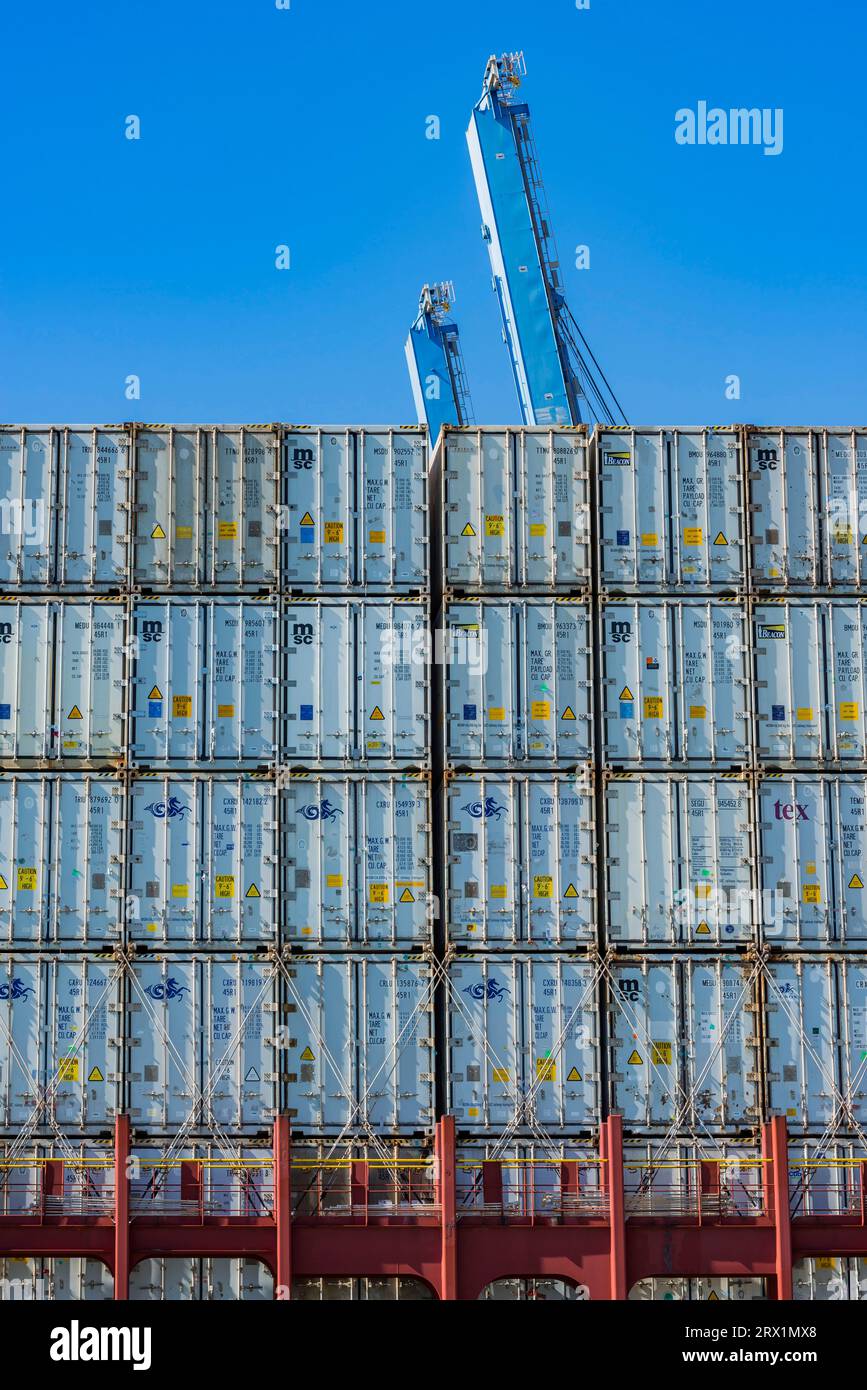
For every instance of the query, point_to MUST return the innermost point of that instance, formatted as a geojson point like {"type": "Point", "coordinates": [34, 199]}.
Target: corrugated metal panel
{"type": "Point", "coordinates": [844, 480]}
{"type": "Point", "coordinates": [679, 853]}
{"type": "Point", "coordinates": [54, 1280]}
{"type": "Point", "coordinates": [520, 860]}
{"type": "Point", "coordinates": [28, 514]}
{"type": "Point", "coordinates": [202, 1024]}
{"type": "Point", "coordinates": [729, 1289]}
{"type": "Point", "coordinates": [357, 686]}
{"type": "Point", "coordinates": [205, 509]}
{"type": "Point", "coordinates": [675, 682]}
{"type": "Point", "coordinates": [683, 1049]}
{"type": "Point", "coordinates": [204, 860]}
{"type": "Point", "coordinates": [810, 681]}
{"type": "Point", "coordinates": [45, 1003]}
{"type": "Point", "coordinates": [61, 859]}
{"type": "Point", "coordinates": [356, 509]}
{"type": "Point", "coordinates": [783, 469]}
{"type": "Point", "coordinates": [221, 1280]}
{"type": "Point", "coordinates": [816, 1020]}
{"type": "Point", "coordinates": [515, 509]}
{"type": "Point", "coordinates": [523, 1042]}
{"type": "Point", "coordinates": [93, 531]}
{"type": "Point", "coordinates": [358, 860]}
{"type": "Point", "coordinates": [205, 683]}
{"type": "Point", "coordinates": [361, 1051]}
{"type": "Point", "coordinates": [671, 511]}
{"type": "Point", "coordinates": [518, 681]}
{"type": "Point", "coordinates": [813, 859]}
{"type": "Point", "coordinates": [62, 681]}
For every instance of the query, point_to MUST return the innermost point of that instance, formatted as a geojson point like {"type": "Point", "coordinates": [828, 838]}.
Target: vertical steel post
{"type": "Point", "coordinates": [121, 1207]}
{"type": "Point", "coordinates": [283, 1206]}
{"type": "Point", "coordinates": [779, 1143]}
{"type": "Point", "coordinates": [447, 1193]}
{"type": "Point", "coordinates": [616, 1207]}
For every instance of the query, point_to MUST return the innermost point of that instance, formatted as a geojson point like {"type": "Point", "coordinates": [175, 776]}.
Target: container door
{"type": "Point", "coordinates": [167, 684]}
{"type": "Point", "coordinates": [562, 1068]}
{"type": "Point", "coordinates": [707, 540]}
{"type": "Point", "coordinates": [321, 1056]}
{"type": "Point", "coordinates": [164, 1022]}
{"type": "Point", "coordinates": [645, 1062]}
{"type": "Point", "coordinates": [485, 892]}
{"type": "Point", "coordinates": [633, 520]}
{"type": "Point", "coordinates": [479, 521]}
{"type": "Point", "coordinates": [393, 856]}
{"type": "Point", "coordinates": [94, 509]}
{"type": "Point", "coordinates": [169, 543]}
{"type": "Point", "coordinates": [239, 1072]}
{"type": "Point", "coordinates": [713, 683]}
{"type": "Point", "coordinates": [25, 858]}
{"type": "Point", "coordinates": [789, 683]}
{"type": "Point", "coordinates": [845, 638]}
{"type": "Point", "coordinates": [90, 680]}
{"type": "Point", "coordinates": [392, 547]}
{"type": "Point", "coordinates": [848, 801]}
{"type": "Point", "coordinates": [320, 682]}
{"type": "Point", "coordinates": [392, 690]}
{"type": "Point", "coordinates": [802, 1057]}
{"type": "Point", "coordinates": [720, 1073]}
{"type": "Point", "coordinates": [558, 847]}
{"type": "Point", "coordinates": [845, 524]}
{"type": "Point", "coordinates": [471, 733]}
{"type": "Point", "coordinates": [82, 1044]}
{"type": "Point", "coordinates": [485, 1041]}
{"type": "Point", "coordinates": [241, 515]}
{"type": "Point", "coordinates": [319, 816]}
{"type": "Point", "coordinates": [394, 1020]}
{"type": "Point", "coordinates": [28, 463]}
{"type": "Point", "coordinates": [26, 642]}
{"type": "Point", "coordinates": [716, 897]}
{"type": "Point", "coordinates": [23, 982]}
{"type": "Point", "coordinates": [239, 877]}
{"type": "Point", "coordinates": [637, 686]}
{"type": "Point", "coordinates": [318, 540]}
{"type": "Point", "coordinates": [783, 469]}
{"type": "Point", "coordinates": [796, 858]}
{"type": "Point", "coordinates": [643, 882]}
{"type": "Point", "coordinates": [164, 860]}
{"type": "Point", "coordinates": [852, 1004]}
{"type": "Point", "coordinates": [242, 682]}
{"type": "Point", "coordinates": [87, 857]}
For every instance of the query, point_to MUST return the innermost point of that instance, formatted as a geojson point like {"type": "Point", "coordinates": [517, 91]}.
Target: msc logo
{"type": "Point", "coordinates": [790, 811]}
{"type": "Point", "coordinates": [302, 458]}
{"type": "Point", "coordinates": [5, 632]}
{"type": "Point", "coordinates": [17, 990]}
{"type": "Point", "coordinates": [302, 634]}
{"type": "Point", "coordinates": [170, 990]}
{"type": "Point", "coordinates": [480, 810]}
{"type": "Point", "coordinates": [630, 989]}
{"type": "Point", "coordinates": [168, 810]}
{"type": "Point", "coordinates": [486, 989]}
{"type": "Point", "coordinates": [151, 631]}
{"type": "Point", "coordinates": [324, 811]}
{"type": "Point", "coordinates": [766, 459]}
{"type": "Point", "coordinates": [621, 632]}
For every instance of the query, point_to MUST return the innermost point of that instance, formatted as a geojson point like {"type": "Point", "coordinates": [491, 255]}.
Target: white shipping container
{"type": "Point", "coordinates": [60, 1016]}
{"type": "Point", "coordinates": [518, 681]}
{"type": "Point", "coordinates": [205, 681]}
{"type": "Point", "coordinates": [62, 679]}
{"type": "Point", "coordinates": [61, 859]}
{"type": "Point", "coordinates": [356, 683]}
{"type": "Point", "coordinates": [679, 854]}
{"type": "Point", "coordinates": [520, 859]}
{"type": "Point", "coordinates": [844, 485]}
{"type": "Point", "coordinates": [816, 1028]}
{"type": "Point", "coordinates": [204, 860]}
{"type": "Point", "coordinates": [783, 471]}
{"type": "Point", "coordinates": [810, 681]}
{"type": "Point", "coordinates": [683, 1049]}
{"type": "Point", "coordinates": [220, 1279]}
{"type": "Point", "coordinates": [358, 859]}
{"type": "Point", "coordinates": [671, 513]}
{"type": "Point", "coordinates": [205, 507]}
{"type": "Point", "coordinates": [523, 1042]}
{"type": "Point", "coordinates": [512, 508]}
{"type": "Point", "coordinates": [361, 1052]}
{"type": "Point", "coordinates": [201, 1039]}
{"type": "Point", "coordinates": [356, 509]}
{"type": "Point", "coordinates": [812, 833]}
{"type": "Point", "coordinates": [726, 1289]}
{"type": "Point", "coordinates": [675, 682]}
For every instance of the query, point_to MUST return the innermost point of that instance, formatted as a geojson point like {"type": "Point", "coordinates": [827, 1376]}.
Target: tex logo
{"type": "Point", "coordinates": [482, 810]}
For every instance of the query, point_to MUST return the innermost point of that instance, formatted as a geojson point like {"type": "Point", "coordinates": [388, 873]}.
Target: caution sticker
{"type": "Point", "coordinates": [571, 891]}
{"type": "Point", "coordinates": [227, 530]}
{"type": "Point", "coordinates": [25, 880]}
{"type": "Point", "coordinates": [377, 892]}
{"type": "Point", "coordinates": [538, 528]}
{"type": "Point", "coordinates": [253, 892]}
{"type": "Point", "coordinates": [180, 890]}
{"type": "Point", "coordinates": [649, 538]}
{"type": "Point", "coordinates": [468, 530]}
{"type": "Point", "coordinates": [224, 886]}
{"type": "Point", "coordinates": [854, 882]}
{"type": "Point", "coordinates": [693, 535]}
{"type": "Point", "coordinates": [494, 526]}
{"type": "Point", "coordinates": [407, 896]}
{"type": "Point", "coordinates": [184, 533]}
{"type": "Point", "coordinates": [182, 706]}
{"type": "Point", "coordinates": [653, 706]}
{"type": "Point", "coordinates": [811, 893]}
{"type": "Point", "coordinates": [225, 711]}
{"type": "Point", "coordinates": [307, 520]}
{"type": "Point", "coordinates": [702, 929]}
{"type": "Point", "coordinates": [3, 883]}
{"type": "Point", "coordinates": [720, 539]}
{"type": "Point", "coordinates": [661, 1054]}
{"type": "Point", "coordinates": [334, 880]}
{"type": "Point", "coordinates": [540, 709]}
{"type": "Point", "coordinates": [546, 1069]}
{"type": "Point", "coordinates": [333, 532]}
{"type": "Point", "coordinates": [308, 1055]}
{"type": "Point", "coordinates": [635, 1058]}
{"type": "Point", "coordinates": [626, 694]}
{"type": "Point", "coordinates": [499, 890]}
{"type": "Point", "coordinates": [155, 693]}
{"type": "Point", "coordinates": [574, 1075]}
{"type": "Point", "coordinates": [75, 713]}
{"type": "Point", "coordinates": [252, 1075]}
{"type": "Point", "coordinates": [698, 712]}
{"type": "Point", "coordinates": [848, 711]}
{"type": "Point", "coordinates": [158, 534]}
{"type": "Point", "coordinates": [543, 886]}
{"type": "Point", "coordinates": [68, 1069]}
{"type": "Point", "coordinates": [376, 537]}
{"type": "Point", "coordinates": [501, 1074]}
{"type": "Point", "coordinates": [377, 713]}
{"type": "Point", "coordinates": [497, 714]}
{"type": "Point", "coordinates": [804, 714]}
{"type": "Point", "coordinates": [95, 1074]}
{"type": "Point", "coordinates": [568, 713]}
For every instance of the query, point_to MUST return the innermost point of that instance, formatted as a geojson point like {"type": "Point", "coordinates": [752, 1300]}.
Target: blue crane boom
{"type": "Point", "coordinates": [557, 378]}
{"type": "Point", "coordinates": [435, 362]}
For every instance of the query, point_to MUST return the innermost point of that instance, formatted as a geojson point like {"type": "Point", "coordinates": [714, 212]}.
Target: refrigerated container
{"type": "Point", "coordinates": [205, 508]}
{"type": "Point", "coordinates": [37, 1280]}
{"type": "Point", "coordinates": [523, 1043]}
{"type": "Point", "coordinates": [355, 510]}
{"type": "Point", "coordinates": [812, 857]}
{"type": "Point", "coordinates": [683, 1047]}
{"type": "Point", "coordinates": [674, 682]}
{"type": "Point", "coordinates": [62, 681]}
{"type": "Point", "coordinates": [679, 854]}
{"type": "Point", "coordinates": [729, 1288]}
{"type": "Point", "coordinates": [358, 859]}
{"type": "Point", "coordinates": [61, 859]}
{"type": "Point", "coordinates": [360, 1054]}
{"type": "Point", "coordinates": [671, 510]}
{"type": "Point", "coordinates": [810, 681]}
{"type": "Point", "coordinates": [844, 512]}
{"type": "Point", "coordinates": [783, 469]}
{"type": "Point", "coordinates": [204, 860]}
{"type": "Point", "coordinates": [511, 509]}
{"type": "Point", "coordinates": [205, 683]}
{"type": "Point", "coordinates": [517, 681]}
{"type": "Point", "coordinates": [520, 859]}
{"type": "Point", "coordinates": [218, 1279]}
{"type": "Point", "coordinates": [356, 685]}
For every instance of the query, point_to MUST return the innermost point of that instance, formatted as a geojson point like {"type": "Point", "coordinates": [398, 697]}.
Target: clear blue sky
{"type": "Point", "coordinates": [307, 127]}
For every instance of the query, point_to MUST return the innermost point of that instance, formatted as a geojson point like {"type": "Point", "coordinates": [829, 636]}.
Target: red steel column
{"type": "Point", "coordinates": [616, 1207]}
{"type": "Point", "coordinates": [283, 1206]}
{"type": "Point", "coordinates": [447, 1188]}
{"type": "Point", "coordinates": [121, 1206]}
{"type": "Point", "coordinates": [779, 1145]}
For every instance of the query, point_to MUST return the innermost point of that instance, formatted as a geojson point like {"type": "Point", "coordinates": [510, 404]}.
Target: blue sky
{"type": "Point", "coordinates": [306, 127]}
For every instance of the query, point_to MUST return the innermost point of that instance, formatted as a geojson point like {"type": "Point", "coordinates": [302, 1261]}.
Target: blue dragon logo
{"type": "Point", "coordinates": [480, 810]}
{"type": "Point", "coordinates": [486, 989]}
{"type": "Point", "coordinates": [168, 810]}
{"type": "Point", "coordinates": [17, 990]}
{"type": "Point", "coordinates": [324, 811]}
{"type": "Point", "coordinates": [170, 990]}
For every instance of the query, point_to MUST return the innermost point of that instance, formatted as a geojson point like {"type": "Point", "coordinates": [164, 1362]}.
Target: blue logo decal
{"type": "Point", "coordinates": [470, 712]}
{"type": "Point", "coordinates": [778, 713]}
{"type": "Point", "coordinates": [486, 990]}
{"type": "Point", "coordinates": [17, 990]}
{"type": "Point", "coordinates": [324, 811]}
{"type": "Point", "coordinates": [168, 810]}
{"type": "Point", "coordinates": [170, 990]}
{"type": "Point", "coordinates": [622, 537]}
{"type": "Point", "coordinates": [480, 810]}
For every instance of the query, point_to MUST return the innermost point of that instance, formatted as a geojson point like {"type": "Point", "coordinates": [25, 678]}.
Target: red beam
{"type": "Point", "coordinates": [121, 1207]}
{"type": "Point", "coordinates": [447, 1195]}
{"type": "Point", "coordinates": [781, 1213]}
{"type": "Point", "coordinates": [618, 1283]}
{"type": "Point", "coordinates": [283, 1207]}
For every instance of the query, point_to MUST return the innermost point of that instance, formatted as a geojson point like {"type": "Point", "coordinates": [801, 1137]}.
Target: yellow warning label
{"type": "Point", "coordinates": [3, 883]}
{"type": "Point", "coordinates": [854, 882]}
{"type": "Point", "coordinates": [546, 1069]}
{"type": "Point", "coordinates": [499, 890]}
{"type": "Point", "coordinates": [180, 890]}
{"type": "Point", "coordinates": [377, 713]}
{"type": "Point", "coordinates": [252, 892]}
{"type": "Point", "coordinates": [333, 533]}
{"type": "Point", "coordinates": [68, 1069]}
{"type": "Point", "coordinates": [407, 896]}
{"type": "Point", "coordinates": [649, 538]}
{"type": "Point", "coordinates": [571, 891]}
{"type": "Point", "coordinates": [653, 706]}
{"type": "Point", "coordinates": [501, 1074]}
{"type": "Point", "coordinates": [811, 867]}
{"type": "Point", "coordinates": [472, 1111]}
{"type": "Point", "coordinates": [540, 709]}
{"type": "Point", "coordinates": [543, 886]}
{"type": "Point", "coordinates": [661, 1054]}
{"type": "Point", "coordinates": [225, 711]}
{"type": "Point", "coordinates": [497, 714]}
{"type": "Point", "coordinates": [75, 713]}
{"type": "Point", "coordinates": [377, 892]}
{"type": "Point", "coordinates": [693, 535]}
{"type": "Point", "coordinates": [376, 537]}
{"type": "Point", "coordinates": [720, 539]}
{"type": "Point", "coordinates": [468, 530]}
{"type": "Point", "coordinates": [95, 1074]}
{"type": "Point", "coordinates": [25, 880]}
{"type": "Point", "coordinates": [698, 712]}
{"type": "Point", "coordinates": [538, 528]}
{"type": "Point", "coordinates": [702, 929]}
{"type": "Point", "coordinates": [842, 535]}
{"type": "Point", "coordinates": [184, 533]}
{"type": "Point", "coordinates": [307, 520]}
{"type": "Point", "coordinates": [182, 706]}
{"type": "Point", "coordinates": [156, 693]}
{"type": "Point", "coordinates": [848, 710]}
{"type": "Point", "coordinates": [307, 1055]}
{"type": "Point", "coordinates": [635, 1059]}
{"type": "Point", "coordinates": [811, 893]}
{"type": "Point", "coordinates": [158, 534]}
{"type": "Point", "coordinates": [574, 1075]}
{"type": "Point", "coordinates": [227, 530]}
{"type": "Point", "coordinates": [494, 526]}
{"type": "Point", "coordinates": [825, 1262]}
{"type": "Point", "coordinates": [568, 713]}
{"type": "Point", "coordinates": [703, 890]}
{"type": "Point", "coordinates": [224, 886]}
{"type": "Point", "coordinates": [805, 714]}
{"type": "Point", "coordinates": [334, 880]}
{"type": "Point", "coordinates": [713, 1296]}
{"type": "Point", "coordinates": [626, 694]}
